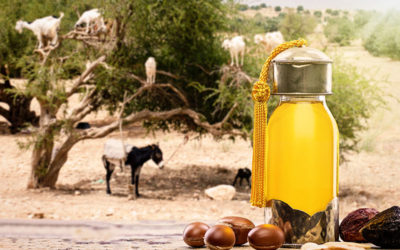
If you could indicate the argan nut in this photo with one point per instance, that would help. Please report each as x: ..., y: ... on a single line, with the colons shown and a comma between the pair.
x: 349, y: 229
x: 193, y: 235
x: 220, y: 237
x: 241, y: 226
x: 266, y: 237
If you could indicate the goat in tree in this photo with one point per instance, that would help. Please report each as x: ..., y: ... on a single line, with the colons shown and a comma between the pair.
x: 45, y: 29
x: 92, y: 17
x: 236, y: 47
x: 151, y: 66
x: 135, y: 158
x: 270, y: 40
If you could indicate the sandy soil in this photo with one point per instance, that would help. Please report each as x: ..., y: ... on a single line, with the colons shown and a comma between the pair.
x: 368, y: 179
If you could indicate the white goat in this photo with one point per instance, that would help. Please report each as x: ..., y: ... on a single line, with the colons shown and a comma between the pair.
x: 235, y: 46
x: 92, y: 17
x: 151, y: 67
x: 45, y: 29
x: 269, y: 40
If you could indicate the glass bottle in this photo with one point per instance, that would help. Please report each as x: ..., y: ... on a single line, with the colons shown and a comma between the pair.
x: 302, y: 160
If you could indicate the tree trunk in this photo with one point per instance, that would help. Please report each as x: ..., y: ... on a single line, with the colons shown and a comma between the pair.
x: 47, y: 161
x: 40, y: 165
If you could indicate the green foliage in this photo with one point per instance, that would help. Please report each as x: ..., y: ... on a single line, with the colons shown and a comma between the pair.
x: 335, y: 13
x: 278, y: 8
x: 15, y: 47
x: 318, y: 13
x: 353, y: 101
x: 255, y: 7
x: 295, y: 25
x: 250, y: 26
x: 300, y: 8
x: 339, y: 30
x: 242, y: 7
x: 382, y: 35
x: 263, y: 5
x: 362, y: 17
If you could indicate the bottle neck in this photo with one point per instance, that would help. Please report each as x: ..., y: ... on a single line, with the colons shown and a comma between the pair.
x: 293, y: 98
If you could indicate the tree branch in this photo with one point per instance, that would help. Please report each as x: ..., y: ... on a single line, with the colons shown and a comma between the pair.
x: 85, y: 107
x: 203, y: 69
x: 214, y: 129
x: 146, y: 86
x: 228, y: 115
x: 5, y: 113
x: 84, y: 77
x: 161, y: 72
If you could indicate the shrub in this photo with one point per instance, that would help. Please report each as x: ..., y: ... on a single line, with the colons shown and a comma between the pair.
x: 382, y: 35
x: 335, y: 13
x: 353, y: 101
x: 242, y: 7
x: 339, y: 30
x: 294, y: 25
x: 263, y: 5
x: 317, y: 13
x: 300, y: 8
x: 278, y: 9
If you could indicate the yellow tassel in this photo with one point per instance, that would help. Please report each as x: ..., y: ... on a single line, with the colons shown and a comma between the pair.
x: 260, y: 95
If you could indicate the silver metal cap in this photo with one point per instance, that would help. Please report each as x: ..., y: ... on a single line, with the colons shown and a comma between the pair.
x: 302, y: 71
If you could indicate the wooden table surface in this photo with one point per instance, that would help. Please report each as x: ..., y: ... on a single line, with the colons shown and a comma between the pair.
x: 51, y: 234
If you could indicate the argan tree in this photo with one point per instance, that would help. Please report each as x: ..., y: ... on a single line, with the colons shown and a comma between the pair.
x: 108, y: 73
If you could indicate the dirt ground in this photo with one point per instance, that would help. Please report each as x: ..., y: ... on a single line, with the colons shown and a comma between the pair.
x: 368, y: 179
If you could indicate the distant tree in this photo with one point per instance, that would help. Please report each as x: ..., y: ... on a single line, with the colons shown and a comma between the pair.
x: 272, y: 24
x: 362, y: 17
x: 278, y: 8
x: 329, y: 11
x: 318, y: 13
x: 339, y: 30
x: 295, y: 25
x: 282, y: 15
x: 300, y: 8
x: 263, y: 5
x: 335, y: 13
x: 242, y: 7
x: 382, y: 35
x: 255, y: 7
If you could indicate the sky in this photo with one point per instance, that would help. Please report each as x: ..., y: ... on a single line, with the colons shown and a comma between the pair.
x: 380, y: 5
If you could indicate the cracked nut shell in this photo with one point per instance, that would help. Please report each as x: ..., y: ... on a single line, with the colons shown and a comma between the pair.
x: 241, y: 227
x: 384, y: 229
x: 193, y: 234
x: 220, y: 237
x: 266, y: 237
x: 349, y: 229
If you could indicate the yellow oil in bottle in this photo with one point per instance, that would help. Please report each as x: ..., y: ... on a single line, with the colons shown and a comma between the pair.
x: 302, y: 164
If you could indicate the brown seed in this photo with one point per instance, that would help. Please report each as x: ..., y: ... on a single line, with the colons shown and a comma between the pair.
x: 266, y: 237
x: 220, y: 237
x: 193, y: 235
x: 241, y: 227
x: 349, y: 229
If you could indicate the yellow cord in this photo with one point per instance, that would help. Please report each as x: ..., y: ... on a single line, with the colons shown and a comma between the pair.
x: 260, y: 95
